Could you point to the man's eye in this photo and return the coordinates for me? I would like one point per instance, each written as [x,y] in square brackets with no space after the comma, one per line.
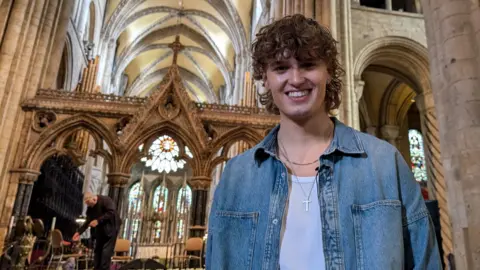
[280,68]
[309,65]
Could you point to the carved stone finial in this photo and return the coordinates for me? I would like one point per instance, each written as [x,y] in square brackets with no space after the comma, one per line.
[176,47]
[200,182]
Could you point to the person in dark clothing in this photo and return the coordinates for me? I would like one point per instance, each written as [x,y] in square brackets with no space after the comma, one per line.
[102,217]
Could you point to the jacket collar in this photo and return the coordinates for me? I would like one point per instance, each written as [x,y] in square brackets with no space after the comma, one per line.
[345,140]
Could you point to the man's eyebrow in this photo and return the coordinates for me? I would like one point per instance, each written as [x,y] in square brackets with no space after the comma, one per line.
[277,62]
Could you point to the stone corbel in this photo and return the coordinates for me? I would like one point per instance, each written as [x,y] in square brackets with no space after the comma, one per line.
[425,102]
[118,179]
[200,182]
[358,91]
[390,133]
[359,86]
[26,176]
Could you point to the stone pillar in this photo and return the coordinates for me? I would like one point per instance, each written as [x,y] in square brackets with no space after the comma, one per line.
[436,181]
[200,186]
[309,7]
[453,36]
[359,85]
[390,133]
[344,34]
[388,4]
[117,184]
[26,179]
[28,35]
[284,8]
[107,59]
[57,51]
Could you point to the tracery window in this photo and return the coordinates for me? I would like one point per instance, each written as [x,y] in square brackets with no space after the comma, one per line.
[159,206]
[417,155]
[184,202]
[133,219]
[164,155]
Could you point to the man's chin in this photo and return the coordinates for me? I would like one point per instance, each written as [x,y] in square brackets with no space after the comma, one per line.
[298,115]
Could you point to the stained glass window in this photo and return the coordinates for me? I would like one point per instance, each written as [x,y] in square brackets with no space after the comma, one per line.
[159,205]
[417,155]
[164,155]
[184,202]
[133,219]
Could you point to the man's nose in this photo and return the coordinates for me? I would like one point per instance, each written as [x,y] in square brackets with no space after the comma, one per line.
[297,77]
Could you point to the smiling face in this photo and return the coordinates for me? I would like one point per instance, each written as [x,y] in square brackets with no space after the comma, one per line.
[298,87]
[292,54]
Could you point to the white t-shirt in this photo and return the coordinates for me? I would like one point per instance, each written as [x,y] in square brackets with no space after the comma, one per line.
[302,244]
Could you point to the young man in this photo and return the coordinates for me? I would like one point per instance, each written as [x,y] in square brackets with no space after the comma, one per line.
[103,218]
[317,194]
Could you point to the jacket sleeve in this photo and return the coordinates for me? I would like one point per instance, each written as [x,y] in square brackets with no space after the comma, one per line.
[420,243]
[84,226]
[219,193]
[108,208]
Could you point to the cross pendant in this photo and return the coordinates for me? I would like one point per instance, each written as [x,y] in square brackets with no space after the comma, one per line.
[307,204]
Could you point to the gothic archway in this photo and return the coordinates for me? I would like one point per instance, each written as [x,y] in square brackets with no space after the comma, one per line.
[407,61]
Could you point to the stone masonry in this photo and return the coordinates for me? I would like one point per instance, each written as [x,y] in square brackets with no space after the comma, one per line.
[453,35]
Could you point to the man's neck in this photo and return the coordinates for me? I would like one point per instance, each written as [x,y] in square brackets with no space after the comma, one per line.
[298,137]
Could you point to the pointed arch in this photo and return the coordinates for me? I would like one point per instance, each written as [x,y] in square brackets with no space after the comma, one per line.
[166,127]
[246,134]
[42,148]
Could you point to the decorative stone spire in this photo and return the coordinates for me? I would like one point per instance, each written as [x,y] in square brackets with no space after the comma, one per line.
[176,47]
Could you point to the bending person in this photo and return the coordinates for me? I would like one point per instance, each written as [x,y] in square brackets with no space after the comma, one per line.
[103,218]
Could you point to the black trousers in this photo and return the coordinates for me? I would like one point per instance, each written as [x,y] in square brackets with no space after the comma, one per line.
[104,248]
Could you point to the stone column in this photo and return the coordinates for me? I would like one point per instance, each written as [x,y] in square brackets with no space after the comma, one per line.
[436,181]
[26,179]
[388,4]
[284,8]
[200,185]
[390,133]
[344,34]
[57,51]
[27,43]
[117,184]
[359,85]
[453,38]
[309,7]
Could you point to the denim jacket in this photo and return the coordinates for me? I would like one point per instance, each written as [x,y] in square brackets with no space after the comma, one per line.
[372,212]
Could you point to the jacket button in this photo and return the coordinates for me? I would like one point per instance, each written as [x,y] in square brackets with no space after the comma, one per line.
[283,174]
[275,221]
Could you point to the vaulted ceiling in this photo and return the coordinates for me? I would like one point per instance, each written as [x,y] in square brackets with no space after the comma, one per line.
[213,33]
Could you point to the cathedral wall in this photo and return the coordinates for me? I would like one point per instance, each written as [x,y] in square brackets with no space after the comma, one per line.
[369,24]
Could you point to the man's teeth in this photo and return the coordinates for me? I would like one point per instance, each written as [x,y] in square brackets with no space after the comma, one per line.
[298,93]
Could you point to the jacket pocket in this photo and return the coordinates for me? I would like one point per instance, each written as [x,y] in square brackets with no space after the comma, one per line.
[378,234]
[233,242]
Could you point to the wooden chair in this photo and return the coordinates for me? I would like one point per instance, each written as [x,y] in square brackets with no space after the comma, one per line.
[194,244]
[58,257]
[122,249]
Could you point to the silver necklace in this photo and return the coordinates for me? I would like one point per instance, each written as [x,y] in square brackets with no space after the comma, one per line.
[306,202]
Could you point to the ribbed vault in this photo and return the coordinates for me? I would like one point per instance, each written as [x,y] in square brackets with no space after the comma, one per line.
[215,33]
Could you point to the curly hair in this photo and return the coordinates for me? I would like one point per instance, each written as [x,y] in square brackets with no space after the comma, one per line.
[304,39]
